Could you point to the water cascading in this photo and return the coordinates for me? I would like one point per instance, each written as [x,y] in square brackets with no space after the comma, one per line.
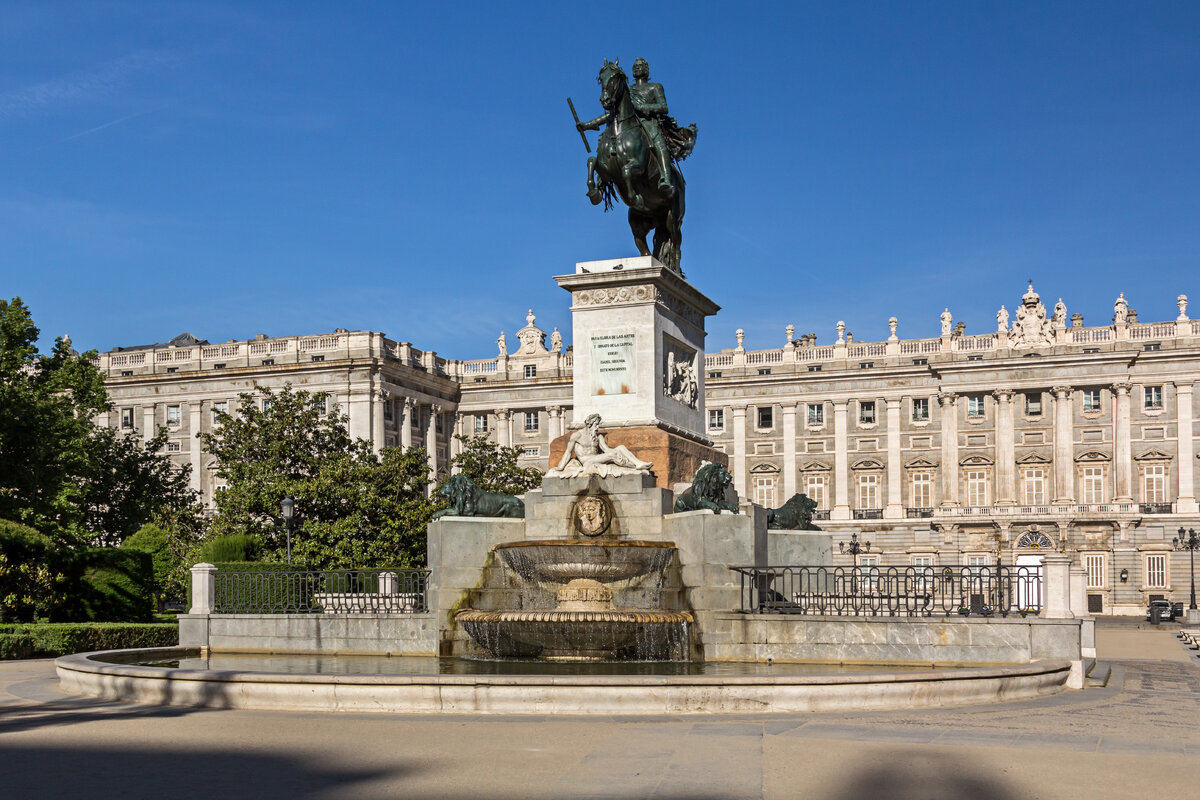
[585,624]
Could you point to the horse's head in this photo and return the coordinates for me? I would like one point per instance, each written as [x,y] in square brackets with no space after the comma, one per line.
[613,84]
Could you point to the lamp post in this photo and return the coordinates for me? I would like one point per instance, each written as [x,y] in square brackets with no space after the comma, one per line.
[287,510]
[1191,544]
[854,548]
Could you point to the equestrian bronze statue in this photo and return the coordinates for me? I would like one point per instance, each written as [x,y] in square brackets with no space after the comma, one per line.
[636,159]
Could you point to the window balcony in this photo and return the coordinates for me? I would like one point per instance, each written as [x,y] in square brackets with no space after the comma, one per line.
[918,513]
[821,513]
[1155,508]
[868,513]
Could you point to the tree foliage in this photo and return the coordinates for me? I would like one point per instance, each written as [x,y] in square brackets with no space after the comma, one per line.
[494,467]
[59,473]
[354,509]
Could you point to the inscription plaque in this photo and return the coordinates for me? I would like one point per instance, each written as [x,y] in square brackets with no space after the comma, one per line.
[612,363]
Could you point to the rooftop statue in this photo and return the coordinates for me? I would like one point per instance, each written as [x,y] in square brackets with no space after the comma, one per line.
[636,158]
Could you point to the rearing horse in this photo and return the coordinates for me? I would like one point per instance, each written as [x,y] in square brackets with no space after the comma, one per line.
[623,166]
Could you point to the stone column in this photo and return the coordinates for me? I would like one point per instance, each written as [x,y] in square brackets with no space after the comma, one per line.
[895,504]
[1006,453]
[1186,502]
[455,444]
[789,452]
[204,592]
[1122,451]
[378,398]
[1056,586]
[1064,448]
[841,463]
[195,415]
[148,426]
[739,450]
[503,427]
[431,440]
[948,402]
[556,421]
[406,412]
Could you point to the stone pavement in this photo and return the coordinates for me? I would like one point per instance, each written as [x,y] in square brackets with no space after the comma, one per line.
[1135,738]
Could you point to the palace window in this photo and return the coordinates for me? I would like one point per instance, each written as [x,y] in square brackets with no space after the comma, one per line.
[173,447]
[439,423]
[268,362]
[764,371]
[975,407]
[920,409]
[921,489]
[531,452]
[320,404]
[816,413]
[1091,401]
[923,567]
[814,487]
[531,422]
[920,362]
[868,491]
[1154,483]
[765,417]
[866,412]
[318,358]
[388,412]
[531,370]
[715,374]
[1156,571]
[716,419]
[218,409]
[173,415]
[869,569]
[977,487]
[1033,404]
[1152,347]
[266,404]
[1093,485]
[1033,486]
[481,423]
[1094,564]
[764,491]
[866,365]
[814,367]
[1153,397]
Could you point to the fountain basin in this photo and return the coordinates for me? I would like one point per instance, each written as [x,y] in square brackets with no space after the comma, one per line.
[563,560]
[115,675]
[575,635]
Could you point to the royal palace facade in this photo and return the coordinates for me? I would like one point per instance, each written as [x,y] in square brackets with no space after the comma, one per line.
[959,449]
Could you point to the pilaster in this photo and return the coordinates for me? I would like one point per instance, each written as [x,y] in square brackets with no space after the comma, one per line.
[895,506]
[789,452]
[406,422]
[195,415]
[739,450]
[1006,457]
[1064,449]
[948,403]
[1122,451]
[841,464]
[1186,503]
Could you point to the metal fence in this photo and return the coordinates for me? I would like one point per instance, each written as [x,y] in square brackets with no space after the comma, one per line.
[892,591]
[363,591]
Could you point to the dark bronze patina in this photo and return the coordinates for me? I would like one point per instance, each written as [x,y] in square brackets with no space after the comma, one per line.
[636,159]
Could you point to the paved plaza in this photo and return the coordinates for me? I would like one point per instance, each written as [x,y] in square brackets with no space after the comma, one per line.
[1136,737]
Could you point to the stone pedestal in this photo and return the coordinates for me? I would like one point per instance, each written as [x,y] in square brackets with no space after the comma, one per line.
[638,330]
[675,457]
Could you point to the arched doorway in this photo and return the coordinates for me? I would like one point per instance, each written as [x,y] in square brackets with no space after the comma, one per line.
[1027,576]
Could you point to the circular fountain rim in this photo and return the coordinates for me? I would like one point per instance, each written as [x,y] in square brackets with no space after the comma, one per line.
[86,674]
[599,542]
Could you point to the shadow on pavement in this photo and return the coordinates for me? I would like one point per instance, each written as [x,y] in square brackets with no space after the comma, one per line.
[53,772]
[931,779]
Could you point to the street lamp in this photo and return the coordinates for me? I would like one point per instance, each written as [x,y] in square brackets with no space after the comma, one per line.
[1191,544]
[287,510]
[854,548]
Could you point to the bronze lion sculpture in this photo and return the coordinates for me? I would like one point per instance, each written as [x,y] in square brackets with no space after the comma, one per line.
[468,500]
[707,491]
[794,515]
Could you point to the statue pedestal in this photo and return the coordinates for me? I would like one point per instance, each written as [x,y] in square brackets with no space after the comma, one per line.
[676,457]
[638,330]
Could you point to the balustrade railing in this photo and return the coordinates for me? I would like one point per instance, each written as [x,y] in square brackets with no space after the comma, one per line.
[892,591]
[377,591]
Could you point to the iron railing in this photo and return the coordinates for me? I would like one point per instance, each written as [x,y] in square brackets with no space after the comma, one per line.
[1155,508]
[892,591]
[363,591]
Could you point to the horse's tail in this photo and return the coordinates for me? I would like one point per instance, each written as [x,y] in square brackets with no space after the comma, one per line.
[607,190]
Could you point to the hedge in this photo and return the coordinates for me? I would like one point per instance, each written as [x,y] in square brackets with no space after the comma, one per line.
[108,585]
[50,639]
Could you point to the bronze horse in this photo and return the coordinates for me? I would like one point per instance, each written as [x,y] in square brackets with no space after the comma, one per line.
[624,166]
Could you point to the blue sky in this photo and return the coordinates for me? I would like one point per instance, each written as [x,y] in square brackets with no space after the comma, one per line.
[245,167]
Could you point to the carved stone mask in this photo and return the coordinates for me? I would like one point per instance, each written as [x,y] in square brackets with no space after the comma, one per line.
[592,516]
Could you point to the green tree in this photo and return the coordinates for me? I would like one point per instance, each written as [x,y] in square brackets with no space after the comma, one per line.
[59,473]
[353,508]
[494,467]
